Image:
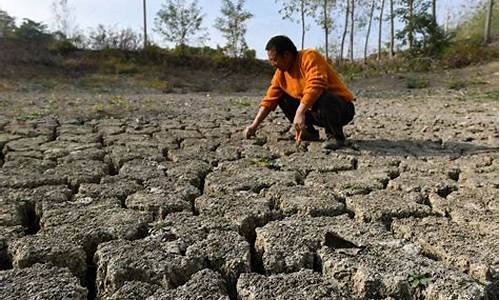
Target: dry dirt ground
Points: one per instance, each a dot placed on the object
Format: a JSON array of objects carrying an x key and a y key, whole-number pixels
[{"x": 156, "y": 196}]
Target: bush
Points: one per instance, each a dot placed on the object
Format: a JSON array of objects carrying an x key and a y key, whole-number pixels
[{"x": 464, "y": 53}]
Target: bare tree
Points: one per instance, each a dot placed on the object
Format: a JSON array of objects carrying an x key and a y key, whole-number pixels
[
  {"x": 232, "y": 26},
  {"x": 65, "y": 21},
  {"x": 380, "y": 30},
  {"x": 303, "y": 8},
  {"x": 326, "y": 21},
  {"x": 487, "y": 25},
  {"x": 369, "y": 29},
  {"x": 391, "y": 50},
  {"x": 346, "y": 23},
  {"x": 145, "y": 24},
  {"x": 351, "y": 41}
]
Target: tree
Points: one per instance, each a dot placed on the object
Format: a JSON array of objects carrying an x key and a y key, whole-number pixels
[
  {"x": 178, "y": 21},
  {"x": 369, "y": 29},
  {"x": 380, "y": 30},
  {"x": 303, "y": 8},
  {"x": 7, "y": 24},
  {"x": 31, "y": 30},
  {"x": 346, "y": 23},
  {"x": 112, "y": 38},
  {"x": 326, "y": 21},
  {"x": 64, "y": 19},
  {"x": 487, "y": 25},
  {"x": 351, "y": 42},
  {"x": 233, "y": 27},
  {"x": 391, "y": 50},
  {"x": 145, "y": 24}
]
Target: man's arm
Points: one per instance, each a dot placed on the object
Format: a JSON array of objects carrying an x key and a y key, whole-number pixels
[{"x": 259, "y": 118}]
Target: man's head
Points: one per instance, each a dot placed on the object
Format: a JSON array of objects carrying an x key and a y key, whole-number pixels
[{"x": 281, "y": 52}]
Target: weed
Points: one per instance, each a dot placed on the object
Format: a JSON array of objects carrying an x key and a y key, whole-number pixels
[
  {"x": 457, "y": 84},
  {"x": 266, "y": 162},
  {"x": 419, "y": 280},
  {"x": 416, "y": 83},
  {"x": 240, "y": 102}
]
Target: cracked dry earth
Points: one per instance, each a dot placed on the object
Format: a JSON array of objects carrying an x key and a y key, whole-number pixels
[{"x": 178, "y": 206}]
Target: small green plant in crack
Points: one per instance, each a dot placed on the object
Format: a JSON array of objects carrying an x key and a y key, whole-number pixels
[
  {"x": 419, "y": 280},
  {"x": 158, "y": 227},
  {"x": 240, "y": 102},
  {"x": 266, "y": 162}
]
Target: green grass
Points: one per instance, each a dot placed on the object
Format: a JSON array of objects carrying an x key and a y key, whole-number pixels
[{"x": 416, "y": 83}]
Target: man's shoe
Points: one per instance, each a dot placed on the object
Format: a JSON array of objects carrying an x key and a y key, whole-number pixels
[
  {"x": 332, "y": 143},
  {"x": 310, "y": 135}
]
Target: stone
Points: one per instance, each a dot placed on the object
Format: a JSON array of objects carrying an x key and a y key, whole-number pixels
[
  {"x": 205, "y": 284},
  {"x": 82, "y": 171},
  {"x": 245, "y": 210},
  {"x": 423, "y": 183},
  {"x": 226, "y": 252},
  {"x": 384, "y": 206},
  {"x": 381, "y": 271},
  {"x": 136, "y": 290},
  {"x": 246, "y": 176},
  {"x": 304, "y": 200},
  {"x": 44, "y": 248},
  {"x": 40, "y": 282},
  {"x": 319, "y": 162},
  {"x": 121, "y": 154},
  {"x": 151, "y": 261},
  {"x": 157, "y": 201},
  {"x": 463, "y": 248},
  {"x": 304, "y": 284},
  {"x": 291, "y": 244},
  {"x": 142, "y": 170},
  {"x": 348, "y": 183},
  {"x": 477, "y": 208}
]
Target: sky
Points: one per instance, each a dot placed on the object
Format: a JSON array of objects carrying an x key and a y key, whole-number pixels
[{"x": 266, "y": 22}]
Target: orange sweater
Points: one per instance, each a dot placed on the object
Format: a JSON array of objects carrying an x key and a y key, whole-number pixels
[{"x": 306, "y": 80}]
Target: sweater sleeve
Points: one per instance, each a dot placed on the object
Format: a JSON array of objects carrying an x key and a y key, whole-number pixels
[
  {"x": 274, "y": 93},
  {"x": 315, "y": 69}
]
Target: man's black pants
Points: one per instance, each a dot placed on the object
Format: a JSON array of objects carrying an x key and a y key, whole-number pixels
[{"x": 329, "y": 112}]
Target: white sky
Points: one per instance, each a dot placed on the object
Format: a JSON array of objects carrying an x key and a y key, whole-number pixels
[{"x": 266, "y": 21}]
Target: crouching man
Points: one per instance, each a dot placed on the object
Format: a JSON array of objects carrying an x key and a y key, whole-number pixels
[{"x": 309, "y": 91}]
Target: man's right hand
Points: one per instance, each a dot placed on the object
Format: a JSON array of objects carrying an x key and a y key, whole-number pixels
[{"x": 249, "y": 131}]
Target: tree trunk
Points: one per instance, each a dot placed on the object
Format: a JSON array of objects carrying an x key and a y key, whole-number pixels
[
  {"x": 303, "y": 20},
  {"x": 391, "y": 51},
  {"x": 379, "y": 55},
  {"x": 368, "y": 30},
  {"x": 345, "y": 31},
  {"x": 325, "y": 19},
  {"x": 434, "y": 11},
  {"x": 145, "y": 25},
  {"x": 410, "y": 19},
  {"x": 487, "y": 25},
  {"x": 351, "y": 42}
]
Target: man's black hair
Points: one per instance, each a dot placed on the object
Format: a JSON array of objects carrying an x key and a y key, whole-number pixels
[{"x": 281, "y": 44}]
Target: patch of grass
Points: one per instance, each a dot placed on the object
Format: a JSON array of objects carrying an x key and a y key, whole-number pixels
[
  {"x": 457, "y": 84},
  {"x": 241, "y": 102},
  {"x": 419, "y": 280},
  {"x": 265, "y": 162},
  {"x": 416, "y": 83}
]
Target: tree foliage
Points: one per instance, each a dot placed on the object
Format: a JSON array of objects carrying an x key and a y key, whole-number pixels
[
  {"x": 31, "y": 30},
  {"x": 297, "y": 11},
  {"x": 7, "y": 24},
  {"x": 232, "y": 26},
  {"x": 179, "y": 21},
  {"x": 424, "y": 36}
]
